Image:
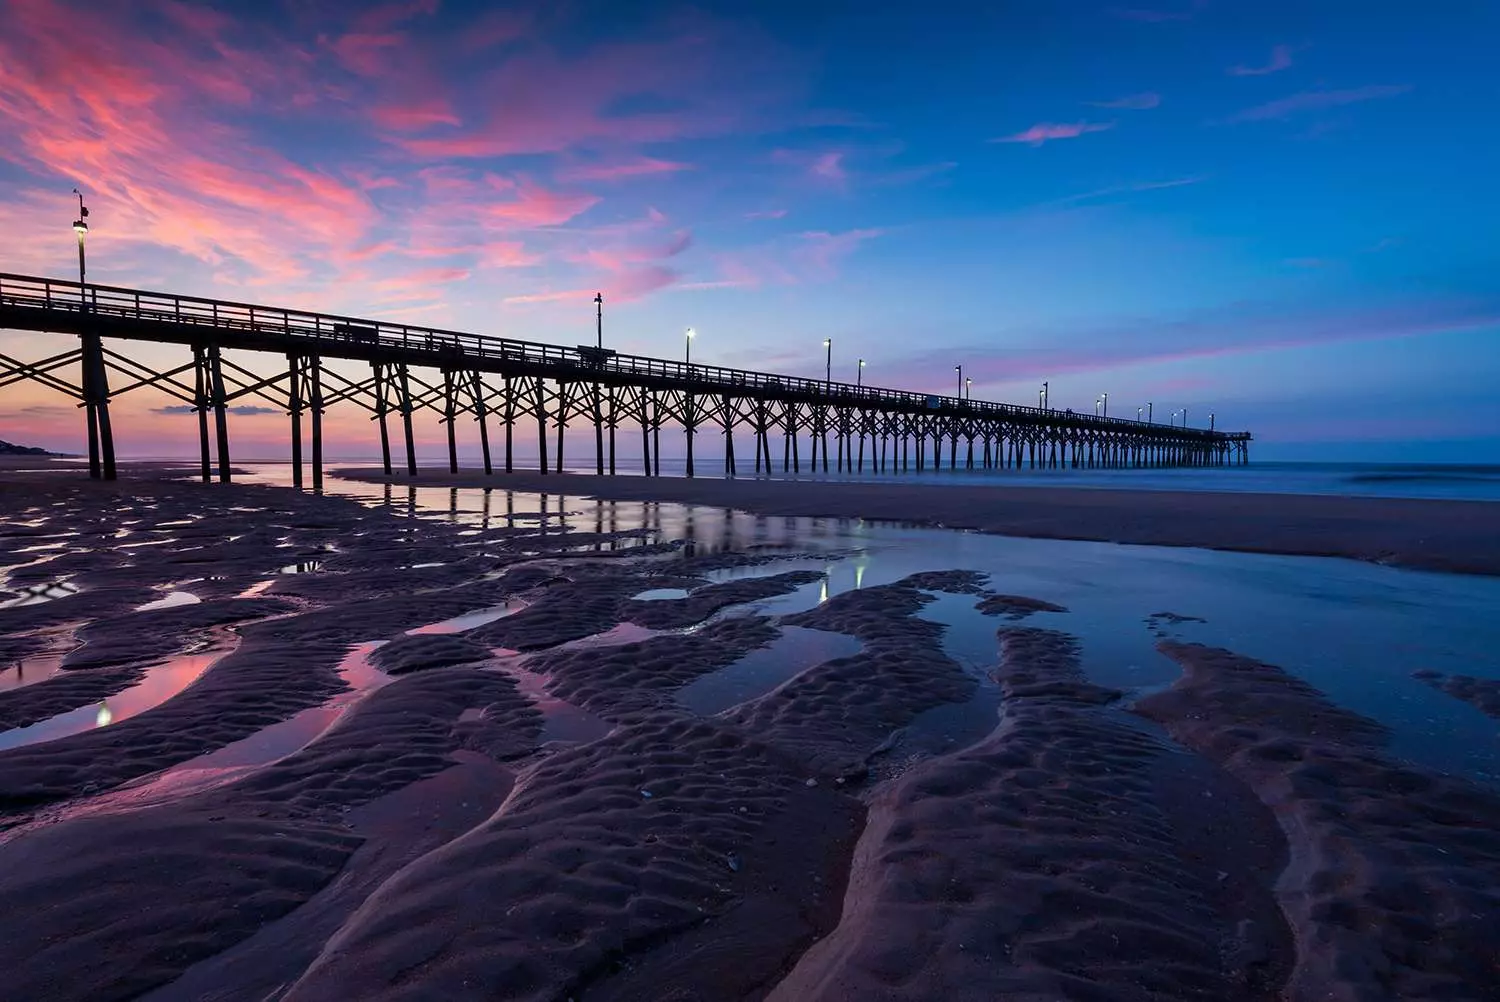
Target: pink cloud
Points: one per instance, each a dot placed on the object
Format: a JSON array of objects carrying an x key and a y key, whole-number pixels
[
  {"x": 624, "y": 286},
  {"x": 413, "y": 117},
  {"x": 696, "y": 79},
  {"x": 767, "y": 214},
  {"x": 1281, "y": 58},
  {"x": 1130, "y": 102},
  {"x": 829, "y": 166},
  {"x": 821, "y": 251},
  {"x": 638, "y": 167},
  {"x": 1317, "y": 100},
  {"x": 1048, "y": 131},
  {"x": 549, "y": 297},
  {"x": 535, "y": 206},
  {"x": 825, "y": 166}
]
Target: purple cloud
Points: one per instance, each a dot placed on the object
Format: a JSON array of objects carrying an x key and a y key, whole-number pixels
[
  {"x": 1236, "y": 329},
  {"x": 1044, "y": 132},
  {"x": 1317, "y": 100},
  {"x": 1281, "y": 58}
]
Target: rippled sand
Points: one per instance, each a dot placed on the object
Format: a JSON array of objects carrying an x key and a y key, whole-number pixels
[{"x": 380, "y": 753}]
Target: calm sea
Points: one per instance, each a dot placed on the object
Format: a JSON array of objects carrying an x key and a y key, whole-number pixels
[{"x": 1394, "y": 480}]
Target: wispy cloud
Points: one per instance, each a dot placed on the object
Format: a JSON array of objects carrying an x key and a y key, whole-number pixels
[
  {"x": 624, "y": 170},
  {"x": 1281, "y": 58},
  {"x": 1045, "y": 132},
  {"x": 821, "y": 250},
  {"x": 911, "y": 175},
  {"x": 1130, "y": 102},
  {"x": 1233, "y": 329},
  {"x": 823, "y": 166},
  {"x": 1128, "y": 189},
  {"x": 767, "y": 214},
  {"x": 1317, "y": 100}
]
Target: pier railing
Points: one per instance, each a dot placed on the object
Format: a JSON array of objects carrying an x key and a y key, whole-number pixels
[{"x": 327, "y": 332}]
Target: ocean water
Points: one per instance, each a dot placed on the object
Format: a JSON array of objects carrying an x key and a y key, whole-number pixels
[{"x": 1476, "y": 482}]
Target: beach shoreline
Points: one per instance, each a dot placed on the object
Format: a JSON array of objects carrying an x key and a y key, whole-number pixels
[{"x": 1461, "y": 537}]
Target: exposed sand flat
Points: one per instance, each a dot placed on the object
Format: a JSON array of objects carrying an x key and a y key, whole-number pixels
[
  {"x": 1040, "y": 865},
  {"x": 1459, "y": 536},
  {"x": 1481, "y": 693},
  {"x": 376, "y": 752},
  {"x": 1393, "y": 883}
]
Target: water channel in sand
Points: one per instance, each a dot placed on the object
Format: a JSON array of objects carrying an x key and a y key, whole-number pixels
[{"x": 1354, "y": 630}]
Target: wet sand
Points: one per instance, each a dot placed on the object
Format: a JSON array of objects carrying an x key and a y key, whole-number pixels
[
  {"x": 485, "y": 781},
  {"x": 1454, "y": 536}
]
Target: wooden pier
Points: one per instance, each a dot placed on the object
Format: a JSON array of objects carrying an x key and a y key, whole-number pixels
[{"x": 510, "y": 385}]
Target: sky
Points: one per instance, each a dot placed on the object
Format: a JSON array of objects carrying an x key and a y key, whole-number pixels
[{"x": 1281, "y": 213}]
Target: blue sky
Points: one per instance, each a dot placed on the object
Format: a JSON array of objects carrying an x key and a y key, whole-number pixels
[{"x": 1277, "y": 212}]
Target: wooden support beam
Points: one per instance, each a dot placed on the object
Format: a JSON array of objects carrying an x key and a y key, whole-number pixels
[
  {"x": 294, "y": 407},
  {"x": 201, "y": 385},
  {"x": 381, "y": 375},
  {"x": 403, "y": 383},
  {"x": 221, "y": 419},
  {"x": 476, "y": 391},
  {"x": 315, "y": 405}
]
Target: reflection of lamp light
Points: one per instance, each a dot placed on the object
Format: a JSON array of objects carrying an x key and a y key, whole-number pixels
[
  {"x": 859, "y": 575},
  {"x": 823, "y": 592},
  {"x": 104, "y": 716}
]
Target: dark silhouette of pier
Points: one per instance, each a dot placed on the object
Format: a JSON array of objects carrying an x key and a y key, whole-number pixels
[{"x": 508, "y": 383}]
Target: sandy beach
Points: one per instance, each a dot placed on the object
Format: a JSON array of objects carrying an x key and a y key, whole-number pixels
[
  {"x": 1454, "y": 536},
  {"x": 259, "y": 744}
]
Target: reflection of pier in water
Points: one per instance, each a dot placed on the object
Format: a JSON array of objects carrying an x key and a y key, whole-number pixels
[
  {"x": 614, "y": 525},
  {"x": 510, "y": 383}
]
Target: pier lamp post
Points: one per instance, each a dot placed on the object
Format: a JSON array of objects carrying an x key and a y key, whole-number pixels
[
  {"x": 1104, "y": 397},
  {"x": 599, "y": 319},
  {"x": 1184, "y": 417},
  {"x": 1096, "y": 407},
  {"x": 1045, "y": 404},
  {"x": 1172, "y": 421},
  {"x": 1138, "y": 412},
  {"x": 81, "y": 227},
  {"x": 1210, "y": 420},
  {"x": 960, "y": 370},
  {"x": 828, "y": 363},
  {"x": 969, "y": 388},
  {"x": 687, "y": 356},
  {"x": 859, "y": 375},
  {"x": 1148, "y": 413}
]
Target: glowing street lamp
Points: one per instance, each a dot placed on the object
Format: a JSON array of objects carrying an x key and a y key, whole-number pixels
[
  {"x": 1043, "y": 398},
  {"x": 599, "y": 318},
  {"x": 1104, "y": 398},
  {"x": 1138, "y": 412},
  {"x": 859, "y": 376},
  {"x": 81, "y": 227},
  {"x": 687, "y": 355},
  {"x": 1096, "y": 406},
  {"x": 960, "y": 370},
  {"x": 969, "y": 389},
  {"x": 828, "y": 366},
  {"x": 1149, "y": 419}
]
